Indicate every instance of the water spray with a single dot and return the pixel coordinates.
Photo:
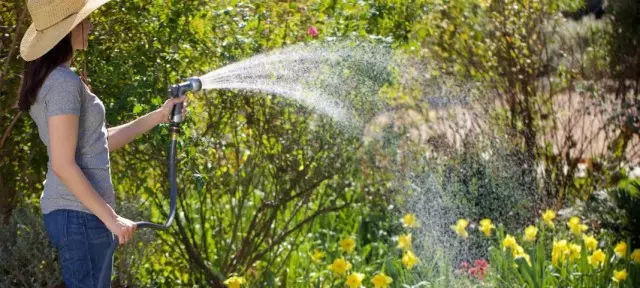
(327, 78)
(193, 84)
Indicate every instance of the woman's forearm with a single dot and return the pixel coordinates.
(121, 135)
(75, 180)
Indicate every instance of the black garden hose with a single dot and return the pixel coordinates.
(178, 90)
(175, 130)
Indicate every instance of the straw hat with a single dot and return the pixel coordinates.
(52, 21)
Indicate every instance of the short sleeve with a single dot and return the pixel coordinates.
(63, 97)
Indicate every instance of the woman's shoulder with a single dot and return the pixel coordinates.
(64, 75)
(61, 79)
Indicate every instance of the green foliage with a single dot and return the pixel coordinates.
(264, 182)
(624, 45)
(616, 210)
(257, 170)
(28, 260)
(376, 251)
(21, 156)
(627, 198)
(473, 183)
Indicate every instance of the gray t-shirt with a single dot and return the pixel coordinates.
(64, 93)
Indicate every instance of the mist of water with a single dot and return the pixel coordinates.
(343, 80)
(340, 80)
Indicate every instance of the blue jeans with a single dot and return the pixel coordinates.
(82, 241)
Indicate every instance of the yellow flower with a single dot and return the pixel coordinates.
(574, 251)
(381, 280)
(524, 256)
(635, 256)
(409, 221)
(530, 233)
(575, 226)
(621, 249)
(590, 242)
(461, 227)
(347, 245)
(355, 280)
(409, 259)
(509, 242)
(340, 266)
(317, 255)
(486, 226)
(235, 282)
(518, 252)
(548, 217)
(597, 258)
(560, 250)
(404, 242)
(619, 276)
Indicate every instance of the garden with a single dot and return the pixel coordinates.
(497, 144)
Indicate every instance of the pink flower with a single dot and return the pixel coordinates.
(312, 31)
(479, 269)
(477, 272)
(474, 271)
(481, 263)
(464, 265)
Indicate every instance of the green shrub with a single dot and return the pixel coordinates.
(627, 198)
(615, 211)
(27, 258)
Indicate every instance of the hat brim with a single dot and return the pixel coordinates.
(35, 43)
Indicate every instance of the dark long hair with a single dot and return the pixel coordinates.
(36, 71)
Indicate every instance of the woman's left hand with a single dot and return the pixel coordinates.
(165, 110)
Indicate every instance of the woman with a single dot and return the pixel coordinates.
(78, 198)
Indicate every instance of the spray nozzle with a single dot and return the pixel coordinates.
(192, 84)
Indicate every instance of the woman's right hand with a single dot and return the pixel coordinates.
(123, 228)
